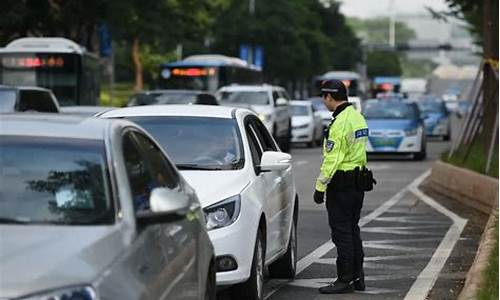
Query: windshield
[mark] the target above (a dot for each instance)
(318, 104)
(54, 181)
(245, 97)
(7, 101)
(432, 107)
(163, 98)
(390, 110)
(199, 143)
(300, 110)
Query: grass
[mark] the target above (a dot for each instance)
(476, 159)
(121, 94)
(489, 290)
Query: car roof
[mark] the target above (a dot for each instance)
(256, 88)
(24, 88)
(56, 125)
(301, 102)
(190, 92)
(225, 112)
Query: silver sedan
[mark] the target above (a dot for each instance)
(93, 209)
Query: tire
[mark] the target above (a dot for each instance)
(422, 155)
(312, 143)
(446, 137)
(253, 288)
(211, 285)
(286, 266)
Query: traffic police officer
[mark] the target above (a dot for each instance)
(344, 153)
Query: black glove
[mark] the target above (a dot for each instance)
(319, 197)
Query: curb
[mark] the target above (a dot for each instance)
(475, 276)
(468, 187)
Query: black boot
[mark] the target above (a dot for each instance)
(337, 287)
(359, 282)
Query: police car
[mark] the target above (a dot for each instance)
(395, 127)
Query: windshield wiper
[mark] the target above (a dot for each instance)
(6, 220)
(196, 167)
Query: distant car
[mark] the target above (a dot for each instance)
(245, 184)
(390, 96)
(271, 103)
(27, 99)
(436, 118)
(93, 209)
(322, 110)
(395, 127)
(452, 106)
(307, 125)
(84, 110)
(172, 97)
(464, 108)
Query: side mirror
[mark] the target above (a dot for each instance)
(281, 102)
(275, 161)
(165, 206)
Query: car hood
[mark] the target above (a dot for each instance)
(301, 120)
(39, 258)
(214, 186)
(394, 124)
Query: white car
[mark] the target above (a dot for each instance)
(307, 124)
(270, 103)
(244, 183)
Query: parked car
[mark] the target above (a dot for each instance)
(307, 125)
(322, 110)
(396, 127)
(172, 97)
(94, 209)
(436, 118)
(245, 184)
(271, 103)
(27, 99)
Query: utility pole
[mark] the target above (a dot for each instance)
(251, 7)
(251, 10)
(392, 25)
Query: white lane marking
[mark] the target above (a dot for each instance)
(426, 279)
(309, 259)
(412, 219)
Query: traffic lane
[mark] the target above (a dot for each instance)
(393, 174)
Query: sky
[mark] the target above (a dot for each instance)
(372, 8)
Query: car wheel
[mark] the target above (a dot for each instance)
(285, 266)
(422, 155)
(211, 288)
(447, 137)
(312, 143)
(253, 288)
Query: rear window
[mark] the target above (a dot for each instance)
(390, 110)
(245, 97)
(162, 98)
(300, 110)
(54, 181)
(31, 100)
(7, 101)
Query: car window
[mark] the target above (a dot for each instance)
(60, 181)
(276, 95)
(40, 101)
(139, 177)
(284, 94)
(255, 148)
(390, 110)
(244, 97)
(7, 101)
(163, 173)
(266, 141)
(300, 110)
(163, 98)
(201, 143)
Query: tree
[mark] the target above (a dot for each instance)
(383, 63)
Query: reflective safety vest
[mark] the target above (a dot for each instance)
(344, 146)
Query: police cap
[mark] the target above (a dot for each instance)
(334, 87)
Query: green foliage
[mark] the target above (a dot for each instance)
(489, 290)
(383, 63)
(474, 158)
(416, 67)
(376, 30)
(300, 38)
(120, 94)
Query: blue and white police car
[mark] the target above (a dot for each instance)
(396, 127)
(436, 118)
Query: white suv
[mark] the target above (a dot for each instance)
(244, 183)
(270, 103)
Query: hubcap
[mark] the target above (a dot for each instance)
(259, 269)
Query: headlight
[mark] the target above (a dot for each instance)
(71, 293)
(223, 213)
(411, 131)
(264, 117)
